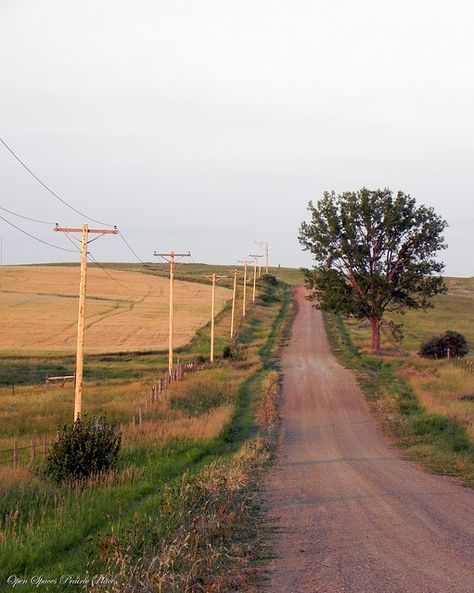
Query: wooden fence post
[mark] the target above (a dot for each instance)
(15, 454)
(33, 450)
(140, 415)
(44, 445)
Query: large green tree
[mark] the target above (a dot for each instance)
(374, 251)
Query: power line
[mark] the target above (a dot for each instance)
(47, 188)
(106, 271)
(130, 247)
(71, 240)
(37, 238)
(26, 217)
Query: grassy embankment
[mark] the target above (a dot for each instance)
(427, 405)
(175, 513)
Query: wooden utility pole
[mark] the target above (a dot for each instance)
(261, 244)
(85, 231)
(170, 258)
(266, 257)
(213, 279)
(246, 262)
(254, 291)
(234, 295)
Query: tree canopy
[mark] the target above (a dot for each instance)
(374, 251)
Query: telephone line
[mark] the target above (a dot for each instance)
(47, 188)
(26, 217)
(107, 272)
(130, 247)
(36, 238)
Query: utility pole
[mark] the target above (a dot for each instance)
(261, 244)
(254, 291)
(246, 262)
(170, 258)
(213, 279)
(85, 231)
(234, 294)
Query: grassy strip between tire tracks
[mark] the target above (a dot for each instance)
(441, 444)
(177, 517)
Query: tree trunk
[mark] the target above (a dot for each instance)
(375, 324)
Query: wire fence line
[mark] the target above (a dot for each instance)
(38, 447)
(464, 365)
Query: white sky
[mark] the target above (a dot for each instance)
(207, 125)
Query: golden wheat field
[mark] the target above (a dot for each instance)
(38, 309)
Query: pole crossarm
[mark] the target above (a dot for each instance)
(60, 229)
(169, 256)
(218, 278)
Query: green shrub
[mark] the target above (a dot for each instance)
(227, 353)
(86, 447)
(270, 279)
(437, 346)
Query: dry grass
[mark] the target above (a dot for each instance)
(443, 389)
(266, 414)
(32, 411)
(38, 309)
(207, 426)
(202, 538)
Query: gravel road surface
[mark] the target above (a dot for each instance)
(353, 515)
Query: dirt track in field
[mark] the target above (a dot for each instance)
(353, 515)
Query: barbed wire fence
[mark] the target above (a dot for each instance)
(28, 455)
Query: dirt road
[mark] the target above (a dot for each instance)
(354, 516)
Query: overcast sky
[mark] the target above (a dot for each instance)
(207, 125)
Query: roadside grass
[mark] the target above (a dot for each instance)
(438, 437)
(442, 389)
(69, 529)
